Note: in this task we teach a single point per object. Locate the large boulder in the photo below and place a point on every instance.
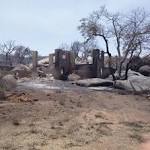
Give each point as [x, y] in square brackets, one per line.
[136, 63]
[146, 60]
[22, 71]
[145, 70]
[134, 84]
[130, 74]
[8, 82]
[94, 82]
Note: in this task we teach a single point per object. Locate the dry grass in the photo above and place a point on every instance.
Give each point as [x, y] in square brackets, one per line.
[74, 120]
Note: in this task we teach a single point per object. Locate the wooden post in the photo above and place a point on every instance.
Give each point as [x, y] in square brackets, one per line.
[35, 60]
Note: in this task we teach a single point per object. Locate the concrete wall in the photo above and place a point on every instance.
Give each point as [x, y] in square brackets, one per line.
[65, 61]
[85, 70]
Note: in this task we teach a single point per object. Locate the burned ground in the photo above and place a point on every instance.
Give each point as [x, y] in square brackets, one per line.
[75, 119]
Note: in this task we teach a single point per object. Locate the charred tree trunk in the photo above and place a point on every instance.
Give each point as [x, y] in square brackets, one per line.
[110, 60]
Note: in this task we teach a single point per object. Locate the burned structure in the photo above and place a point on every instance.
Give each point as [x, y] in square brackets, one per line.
[62, 63]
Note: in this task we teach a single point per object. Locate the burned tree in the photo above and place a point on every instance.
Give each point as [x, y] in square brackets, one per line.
[96, 26]
[87, 48]
[76, 48]
[131, 33]
[136, 37]
[22, 54]
[7, 48]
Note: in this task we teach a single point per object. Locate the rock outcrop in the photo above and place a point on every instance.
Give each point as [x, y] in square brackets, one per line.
[145, 70]
[134, 84]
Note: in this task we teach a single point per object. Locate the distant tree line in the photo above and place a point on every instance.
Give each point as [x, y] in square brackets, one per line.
[12, 54]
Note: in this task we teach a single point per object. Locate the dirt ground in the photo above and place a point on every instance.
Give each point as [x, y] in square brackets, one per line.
[73, 120]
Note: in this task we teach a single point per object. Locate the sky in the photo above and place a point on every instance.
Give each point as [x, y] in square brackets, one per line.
[44, 25]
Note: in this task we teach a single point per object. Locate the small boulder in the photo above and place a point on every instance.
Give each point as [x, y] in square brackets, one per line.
[8, 82]
[145, 70]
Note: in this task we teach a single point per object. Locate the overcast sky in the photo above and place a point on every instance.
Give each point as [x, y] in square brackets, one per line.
[43, 25]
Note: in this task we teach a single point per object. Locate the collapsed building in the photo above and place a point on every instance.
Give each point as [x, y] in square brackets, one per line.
[62, 63]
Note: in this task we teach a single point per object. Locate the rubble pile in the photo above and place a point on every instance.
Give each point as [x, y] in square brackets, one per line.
[21, 71]
[20, 97]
